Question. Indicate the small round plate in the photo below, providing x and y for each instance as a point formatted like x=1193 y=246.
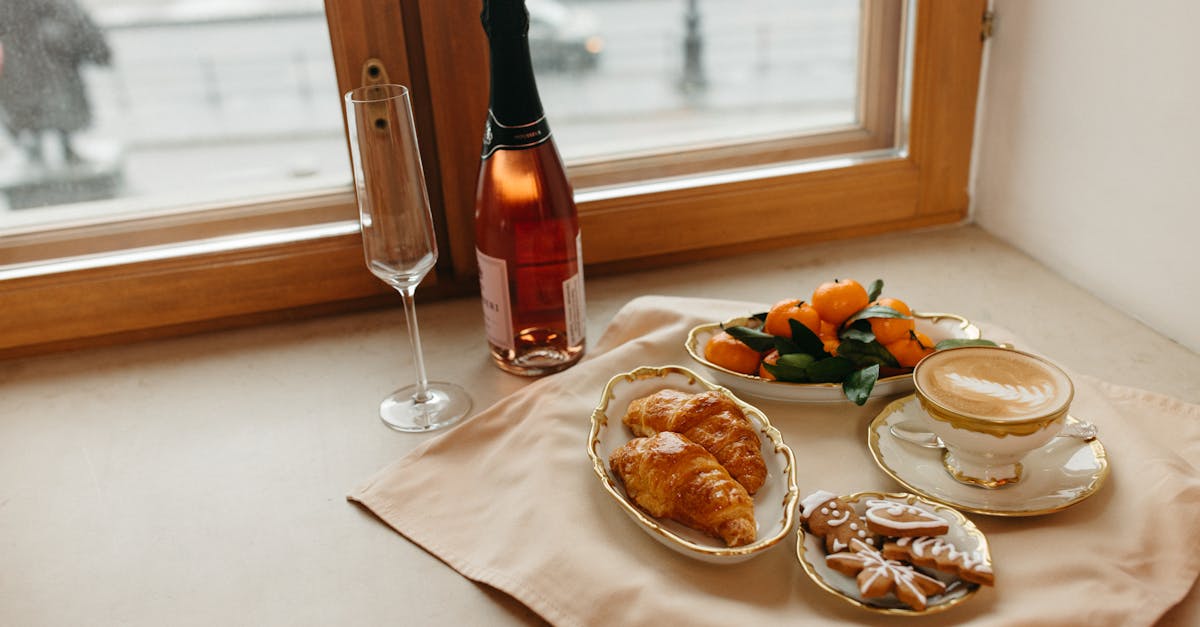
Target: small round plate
x=1057 y=476
x=774 y=503
x=938 y=326
x=963 y=534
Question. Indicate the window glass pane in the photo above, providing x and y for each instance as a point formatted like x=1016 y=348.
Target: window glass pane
x=620 y=76
x=164 y=103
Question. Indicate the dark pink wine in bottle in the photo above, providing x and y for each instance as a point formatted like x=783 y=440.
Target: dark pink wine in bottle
x=526 y=225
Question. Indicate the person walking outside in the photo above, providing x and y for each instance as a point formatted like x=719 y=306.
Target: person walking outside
x=46 y=43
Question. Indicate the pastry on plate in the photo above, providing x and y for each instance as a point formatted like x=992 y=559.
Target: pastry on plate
x=709 y=419
x=672 y=477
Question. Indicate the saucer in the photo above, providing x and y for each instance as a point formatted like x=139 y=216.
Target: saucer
x=1056 y=476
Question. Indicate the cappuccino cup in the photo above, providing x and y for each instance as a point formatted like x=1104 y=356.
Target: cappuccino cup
x=991 y=406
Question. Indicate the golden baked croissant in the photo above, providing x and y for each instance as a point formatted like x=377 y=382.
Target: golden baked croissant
x=672 y=477
x=709 y=419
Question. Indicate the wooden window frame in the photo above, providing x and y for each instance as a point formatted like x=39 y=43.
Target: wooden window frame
x=190 y=271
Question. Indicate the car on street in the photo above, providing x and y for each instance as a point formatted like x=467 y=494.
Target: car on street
x=563 y=38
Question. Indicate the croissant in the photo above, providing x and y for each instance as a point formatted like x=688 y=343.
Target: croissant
x=672 y=477
x=709 y=419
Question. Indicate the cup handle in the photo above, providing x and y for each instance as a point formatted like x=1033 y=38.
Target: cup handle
x=1081 y=429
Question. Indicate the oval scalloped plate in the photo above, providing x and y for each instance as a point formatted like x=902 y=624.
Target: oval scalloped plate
x=938 y=326
x=963 y=534
x=774 y=503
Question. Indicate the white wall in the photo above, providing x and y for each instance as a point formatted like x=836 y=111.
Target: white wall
x=1089 y=149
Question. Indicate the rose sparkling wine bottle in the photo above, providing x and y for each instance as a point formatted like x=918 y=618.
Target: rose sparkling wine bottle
x=526 y=224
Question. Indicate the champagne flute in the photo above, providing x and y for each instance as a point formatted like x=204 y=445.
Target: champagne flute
x=398 y=238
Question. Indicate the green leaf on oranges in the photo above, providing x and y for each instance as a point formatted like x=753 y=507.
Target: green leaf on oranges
x=873 y=311
x=956 y=342
x=805 y=339
x=874 y=290
x=753 y=338
x=858 y=385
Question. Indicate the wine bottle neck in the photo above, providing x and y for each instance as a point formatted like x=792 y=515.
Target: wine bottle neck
x=514 y=97
x=515 y=116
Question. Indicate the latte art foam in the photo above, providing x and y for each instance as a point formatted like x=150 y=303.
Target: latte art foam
x=994 y=384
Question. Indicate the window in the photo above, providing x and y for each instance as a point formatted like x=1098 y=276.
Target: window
x=919 y=180
x=184 y=270
x=672 y=76
x=116 y=108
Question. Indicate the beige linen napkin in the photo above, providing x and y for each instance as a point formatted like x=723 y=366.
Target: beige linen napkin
x=510 y=499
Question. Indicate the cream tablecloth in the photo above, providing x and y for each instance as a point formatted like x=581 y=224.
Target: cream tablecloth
x=509 y=499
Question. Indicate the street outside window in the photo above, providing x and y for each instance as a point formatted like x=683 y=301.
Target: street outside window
x=115 y=105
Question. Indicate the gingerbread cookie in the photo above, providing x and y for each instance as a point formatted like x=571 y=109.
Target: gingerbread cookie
x=892 y=518
x=876 y=575
x=938 y=554
x=828 y=515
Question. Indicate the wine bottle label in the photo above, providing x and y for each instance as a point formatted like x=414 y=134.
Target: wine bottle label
x=573 y=300
x=497 y=310
x=497 y=136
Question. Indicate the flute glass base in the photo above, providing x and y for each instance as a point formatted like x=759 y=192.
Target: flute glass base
x=446 y=405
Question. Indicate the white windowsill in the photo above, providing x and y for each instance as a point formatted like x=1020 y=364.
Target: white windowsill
x=111 y=459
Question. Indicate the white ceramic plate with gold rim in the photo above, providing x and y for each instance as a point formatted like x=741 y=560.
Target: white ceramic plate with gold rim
x=938 y=326
x=963 y=535
x=774 y=503
x=1055 y=477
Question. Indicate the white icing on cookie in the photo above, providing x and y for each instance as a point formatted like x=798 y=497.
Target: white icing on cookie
x=927 y=547
x=813 y=501
x=887 y=513
x=875 y=566
x=837 y=522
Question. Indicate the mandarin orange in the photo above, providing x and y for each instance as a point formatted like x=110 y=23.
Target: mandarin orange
x=731 y=353
x=839 y=299
x=784 y=310
x=909 y=350
x=771 y=358
x=888 y=330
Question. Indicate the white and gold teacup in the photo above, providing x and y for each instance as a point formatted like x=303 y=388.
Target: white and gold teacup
x=991 y=406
